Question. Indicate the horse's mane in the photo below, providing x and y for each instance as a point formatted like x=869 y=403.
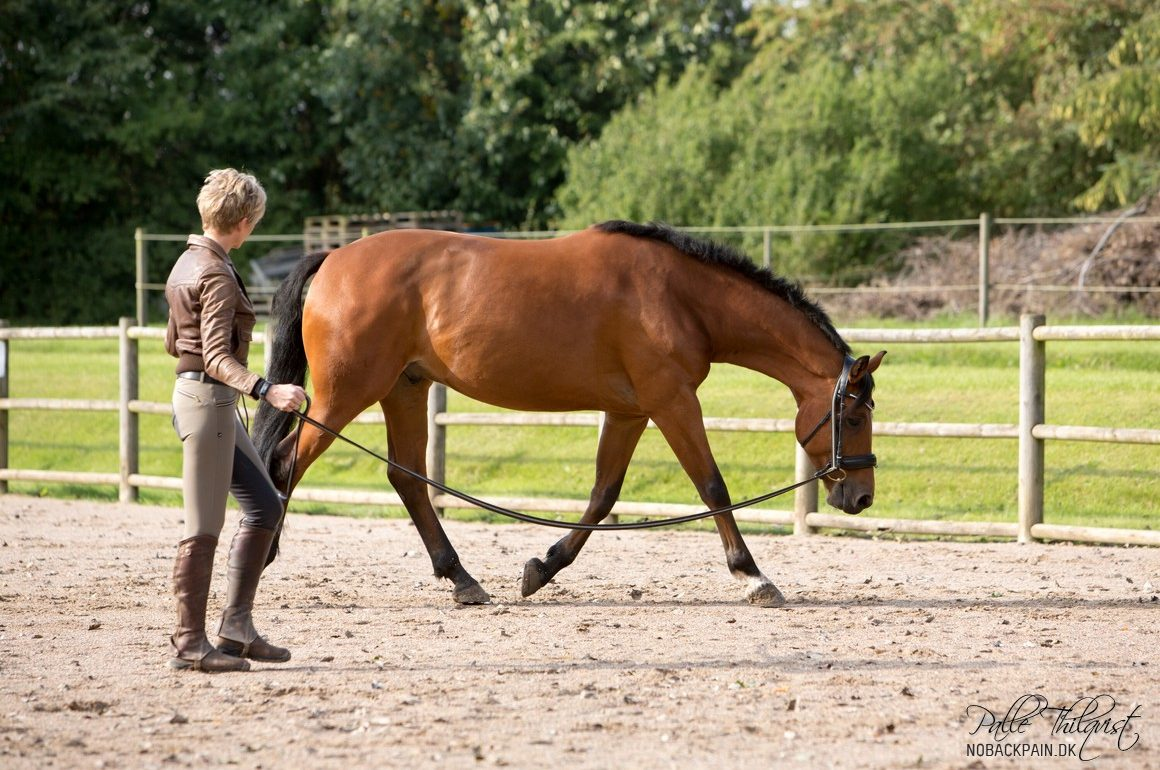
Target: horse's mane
x=712 y=253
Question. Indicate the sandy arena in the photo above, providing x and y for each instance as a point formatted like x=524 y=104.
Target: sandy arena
x=642 y=655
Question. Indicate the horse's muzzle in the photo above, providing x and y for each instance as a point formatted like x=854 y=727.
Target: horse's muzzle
x=848 y=498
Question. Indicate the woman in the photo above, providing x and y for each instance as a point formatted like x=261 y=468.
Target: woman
x=211 y=322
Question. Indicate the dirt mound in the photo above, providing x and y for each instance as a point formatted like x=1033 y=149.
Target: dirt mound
x=1069 y=270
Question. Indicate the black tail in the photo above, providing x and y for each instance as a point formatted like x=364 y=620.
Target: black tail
x=285 y=355
x=285 y=363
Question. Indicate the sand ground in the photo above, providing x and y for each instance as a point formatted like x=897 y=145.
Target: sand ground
x=643 y=654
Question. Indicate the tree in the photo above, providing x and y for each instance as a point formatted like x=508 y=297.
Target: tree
x=854 y=111
x=110 y=116
x=69 y=79
x=1117 y=113
x=390 y=78
x=666 y=158
x=543 y=75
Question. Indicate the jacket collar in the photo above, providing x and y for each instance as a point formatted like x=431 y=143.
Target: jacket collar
x=208 y=243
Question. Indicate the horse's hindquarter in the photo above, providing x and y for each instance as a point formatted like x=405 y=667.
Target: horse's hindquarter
x=561 y=324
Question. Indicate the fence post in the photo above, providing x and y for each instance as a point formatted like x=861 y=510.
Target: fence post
x=1032 y=366
x=142 y=278
x=984 y=268
x=805 y=497
x=3 y=412
x=436 y=440
x=130 y=433
x=766 y=248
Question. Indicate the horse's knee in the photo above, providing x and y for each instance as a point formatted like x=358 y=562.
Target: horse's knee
x=715 y=493
x=410 y=489
x=398 y=478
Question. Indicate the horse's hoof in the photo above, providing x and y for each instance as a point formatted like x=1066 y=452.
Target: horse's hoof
x=766 y=595
x=472 y=593
x=534 y=578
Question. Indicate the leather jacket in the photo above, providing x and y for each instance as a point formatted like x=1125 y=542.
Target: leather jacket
x=211 y=318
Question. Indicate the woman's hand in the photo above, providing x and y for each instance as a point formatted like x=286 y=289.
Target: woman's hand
x=286 y=397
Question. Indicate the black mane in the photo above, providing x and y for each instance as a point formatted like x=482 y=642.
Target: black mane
x=712 y=253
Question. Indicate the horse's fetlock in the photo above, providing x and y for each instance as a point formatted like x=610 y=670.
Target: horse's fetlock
x=446 y=565
x=559 y=556
x=741 y=564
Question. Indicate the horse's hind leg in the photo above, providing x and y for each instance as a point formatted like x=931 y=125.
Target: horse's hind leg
x=618 y=439
x=684 y=430
x=406 y=413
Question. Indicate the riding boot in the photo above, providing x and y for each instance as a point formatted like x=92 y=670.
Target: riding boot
x=191 y=577
x=236 y=633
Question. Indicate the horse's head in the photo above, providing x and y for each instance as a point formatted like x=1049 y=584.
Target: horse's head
x=835 y=429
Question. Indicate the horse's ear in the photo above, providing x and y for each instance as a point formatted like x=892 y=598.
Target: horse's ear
x=865 y=365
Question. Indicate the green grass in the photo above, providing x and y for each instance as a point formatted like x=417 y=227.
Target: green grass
x=1088 y=383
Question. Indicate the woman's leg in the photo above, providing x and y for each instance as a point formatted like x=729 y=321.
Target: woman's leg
x=262 y=509
x=203 y=415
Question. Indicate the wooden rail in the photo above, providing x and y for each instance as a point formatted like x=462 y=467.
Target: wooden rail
x=1031 y=432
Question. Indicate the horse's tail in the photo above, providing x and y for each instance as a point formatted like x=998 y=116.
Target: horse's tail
x=285 y=363
x=285 y=355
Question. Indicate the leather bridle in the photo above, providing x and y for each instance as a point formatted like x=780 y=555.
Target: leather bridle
x=839 y=464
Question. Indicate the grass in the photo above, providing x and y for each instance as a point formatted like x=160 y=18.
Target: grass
x=1088 y=383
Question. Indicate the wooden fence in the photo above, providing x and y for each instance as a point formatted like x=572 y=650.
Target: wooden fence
x=1032 y=335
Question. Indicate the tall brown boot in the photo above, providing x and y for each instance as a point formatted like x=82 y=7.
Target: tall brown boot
x=236 y=633
x=192 y=572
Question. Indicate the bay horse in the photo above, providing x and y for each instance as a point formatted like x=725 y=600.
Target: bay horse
x=624 y=318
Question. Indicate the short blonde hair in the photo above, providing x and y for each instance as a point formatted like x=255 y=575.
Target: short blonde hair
x=229 y=196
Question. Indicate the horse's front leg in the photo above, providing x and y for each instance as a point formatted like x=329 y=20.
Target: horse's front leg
x=618 y=439
x=406 y=412
x=684 y=430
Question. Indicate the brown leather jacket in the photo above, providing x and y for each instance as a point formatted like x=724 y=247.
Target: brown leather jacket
x=211 y=320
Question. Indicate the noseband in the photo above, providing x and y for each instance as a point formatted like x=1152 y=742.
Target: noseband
x=838 y=465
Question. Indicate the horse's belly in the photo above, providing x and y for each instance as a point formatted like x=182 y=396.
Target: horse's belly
x=536 y=383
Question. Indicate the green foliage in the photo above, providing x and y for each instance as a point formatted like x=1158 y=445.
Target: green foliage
x=112 y=113
x=659 y=160
x=111 y=116
x=857 y=112
x=1118 y=112
x=390 y=77
x=545 y=74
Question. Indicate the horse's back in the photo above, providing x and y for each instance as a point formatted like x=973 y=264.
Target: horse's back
x=561 y=323
x=437 y=257
x=434 y=272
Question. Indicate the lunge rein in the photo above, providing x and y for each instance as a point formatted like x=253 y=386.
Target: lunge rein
x=838 y=464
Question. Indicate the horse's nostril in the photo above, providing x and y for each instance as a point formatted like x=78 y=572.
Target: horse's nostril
x=865 y=501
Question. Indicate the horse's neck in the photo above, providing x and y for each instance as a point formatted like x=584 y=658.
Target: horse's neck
x=765 y=333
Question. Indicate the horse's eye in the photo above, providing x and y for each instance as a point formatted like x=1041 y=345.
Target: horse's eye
x=855 y=422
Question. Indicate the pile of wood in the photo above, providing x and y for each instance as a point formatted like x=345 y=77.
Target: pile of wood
x=1106 y=268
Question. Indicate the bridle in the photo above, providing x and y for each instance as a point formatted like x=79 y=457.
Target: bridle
x=839 y=464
